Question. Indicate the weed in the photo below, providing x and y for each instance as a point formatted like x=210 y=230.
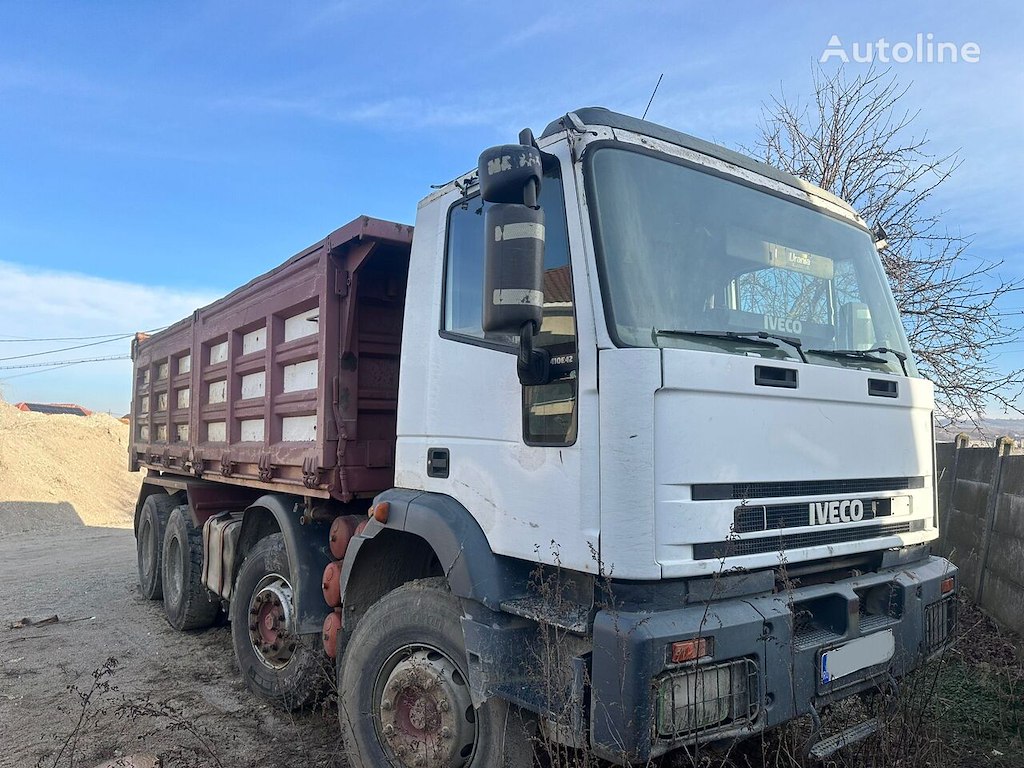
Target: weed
x=105 y=722
x=85 y=712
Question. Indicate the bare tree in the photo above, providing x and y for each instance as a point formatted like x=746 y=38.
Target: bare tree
x=853 y=138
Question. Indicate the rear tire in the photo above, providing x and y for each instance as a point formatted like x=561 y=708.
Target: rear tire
x=403 y=691
x=149 y=543
x=279 y=665
x=188 y=604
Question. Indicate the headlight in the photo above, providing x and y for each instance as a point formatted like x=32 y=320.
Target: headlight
x=703 y=697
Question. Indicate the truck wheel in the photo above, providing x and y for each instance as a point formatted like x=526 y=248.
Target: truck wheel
x=403 y=694
x=187 y=602
x=149 y=543
x=278 y=664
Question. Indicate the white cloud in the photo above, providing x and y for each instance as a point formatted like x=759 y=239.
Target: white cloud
x=38 y=303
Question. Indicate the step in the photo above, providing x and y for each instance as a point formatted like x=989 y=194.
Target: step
x=845 y=737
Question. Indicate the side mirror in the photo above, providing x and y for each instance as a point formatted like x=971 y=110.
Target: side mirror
x=881 y=239
x=513 y=268
x=510 y=173
x=513 y=296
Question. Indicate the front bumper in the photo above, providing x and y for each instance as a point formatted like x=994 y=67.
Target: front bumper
x=766 y=662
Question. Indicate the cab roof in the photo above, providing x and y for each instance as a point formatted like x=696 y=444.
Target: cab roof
x=605 y=117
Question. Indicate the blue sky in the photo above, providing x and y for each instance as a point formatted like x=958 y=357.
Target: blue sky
x=155 y=155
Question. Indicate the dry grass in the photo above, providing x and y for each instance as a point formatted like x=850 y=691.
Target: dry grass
x=964 y=709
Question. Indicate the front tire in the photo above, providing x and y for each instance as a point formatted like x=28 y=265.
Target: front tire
x=149 y=543
x=188 y=604
x=277 y=663
x=403 y=692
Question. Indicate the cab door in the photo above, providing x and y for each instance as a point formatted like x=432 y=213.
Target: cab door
x=510 y=454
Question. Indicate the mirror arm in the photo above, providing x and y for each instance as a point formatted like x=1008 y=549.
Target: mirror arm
x=533 y=365
x=530 y=192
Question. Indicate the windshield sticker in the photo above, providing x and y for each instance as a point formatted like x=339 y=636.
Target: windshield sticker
x=786 y=324
x=797 y=261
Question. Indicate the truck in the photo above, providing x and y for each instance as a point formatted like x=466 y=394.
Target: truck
x=622 y=449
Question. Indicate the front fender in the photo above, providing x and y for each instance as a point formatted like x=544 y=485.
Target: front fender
x=472 y=569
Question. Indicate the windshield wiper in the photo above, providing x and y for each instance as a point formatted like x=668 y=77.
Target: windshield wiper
x=864 y=354
x=753 y=338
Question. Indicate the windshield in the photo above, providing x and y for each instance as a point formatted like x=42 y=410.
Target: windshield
x=692 y=259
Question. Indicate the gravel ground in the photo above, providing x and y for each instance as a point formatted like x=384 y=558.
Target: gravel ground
x=177 y=695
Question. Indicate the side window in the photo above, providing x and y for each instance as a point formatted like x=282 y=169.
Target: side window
x=548 y=410
x=464 y=270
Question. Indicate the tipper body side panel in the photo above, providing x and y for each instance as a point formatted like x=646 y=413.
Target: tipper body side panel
x=289 y=383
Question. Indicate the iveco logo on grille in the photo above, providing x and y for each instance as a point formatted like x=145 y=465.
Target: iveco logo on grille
x=845 y=511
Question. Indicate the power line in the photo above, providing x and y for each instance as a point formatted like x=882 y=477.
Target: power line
x=63 y=363
x=68 y=349
x=9 y=339
x=62 y=349
x=28 y=340
x=651 y=100
x=33 y=373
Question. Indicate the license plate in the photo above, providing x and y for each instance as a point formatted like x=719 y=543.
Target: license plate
x=856 y=655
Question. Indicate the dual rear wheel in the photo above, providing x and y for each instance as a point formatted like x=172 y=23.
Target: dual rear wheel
x=156 y=510
x=188 y=604
x=278 y=664
x=170 y=558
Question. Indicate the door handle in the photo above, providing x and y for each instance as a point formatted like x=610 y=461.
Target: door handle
x=437 y=462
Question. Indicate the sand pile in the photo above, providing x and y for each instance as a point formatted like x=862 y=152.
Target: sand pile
x=64 y=471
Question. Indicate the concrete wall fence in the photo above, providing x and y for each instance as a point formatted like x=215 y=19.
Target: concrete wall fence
x=981 y=521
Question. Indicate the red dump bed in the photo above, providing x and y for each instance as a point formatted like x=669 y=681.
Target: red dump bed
x=290 y=382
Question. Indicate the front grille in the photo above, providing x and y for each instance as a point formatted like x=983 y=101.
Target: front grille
x=833 y=534
x=872 y=624
x=768 y=490
x=939 y=624
x=760 y=517
x=810 y=636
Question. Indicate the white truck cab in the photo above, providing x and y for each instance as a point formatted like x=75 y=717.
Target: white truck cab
x=725 y=326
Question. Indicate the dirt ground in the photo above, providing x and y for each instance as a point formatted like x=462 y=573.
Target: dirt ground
x=111 y=678
x=176 y=695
